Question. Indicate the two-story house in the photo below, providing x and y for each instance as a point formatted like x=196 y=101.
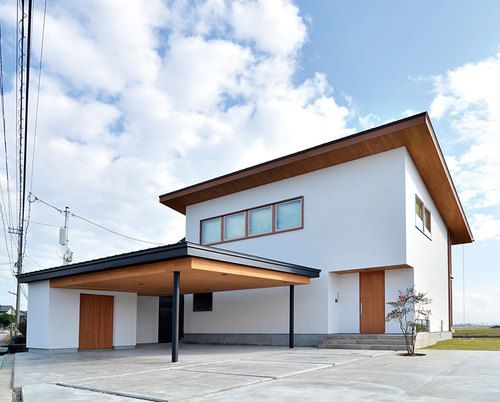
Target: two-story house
x=375 y=212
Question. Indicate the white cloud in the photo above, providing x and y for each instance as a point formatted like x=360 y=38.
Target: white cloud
x=138 y=99
x=469 y=100
x=480 y=306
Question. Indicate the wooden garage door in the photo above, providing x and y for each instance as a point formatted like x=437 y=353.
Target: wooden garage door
x=96 y=322
x=372 y=302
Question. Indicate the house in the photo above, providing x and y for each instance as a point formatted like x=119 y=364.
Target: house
x=285 y=252
x=7 y=309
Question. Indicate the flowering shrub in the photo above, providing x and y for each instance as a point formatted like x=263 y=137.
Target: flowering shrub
x=409 y=307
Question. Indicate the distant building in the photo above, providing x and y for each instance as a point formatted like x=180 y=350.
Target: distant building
x=7 y=310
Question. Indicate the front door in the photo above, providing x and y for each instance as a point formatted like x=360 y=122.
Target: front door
x=372 y=302
x=96 y=322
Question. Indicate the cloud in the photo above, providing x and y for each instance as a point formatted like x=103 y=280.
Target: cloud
x=143 y=98
x=467 y=98
x=480 y=306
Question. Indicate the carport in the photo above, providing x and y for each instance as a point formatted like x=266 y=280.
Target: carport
x=181 y=268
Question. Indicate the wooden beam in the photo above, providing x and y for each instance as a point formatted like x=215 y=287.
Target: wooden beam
x=242 y=270
x=372 y=269
x=121 y=273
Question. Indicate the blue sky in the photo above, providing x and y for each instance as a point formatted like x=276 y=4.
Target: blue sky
x=132 y=93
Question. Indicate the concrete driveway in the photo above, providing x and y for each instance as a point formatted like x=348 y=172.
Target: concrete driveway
x=228 y=373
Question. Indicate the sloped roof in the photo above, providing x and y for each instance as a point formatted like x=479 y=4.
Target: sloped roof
x=414 y=132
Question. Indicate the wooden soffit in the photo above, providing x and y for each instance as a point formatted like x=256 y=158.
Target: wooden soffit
x=415 y=133
x=198 y=275
x=372 y=269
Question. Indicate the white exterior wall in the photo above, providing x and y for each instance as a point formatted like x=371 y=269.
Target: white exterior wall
x=395 y=279
x=54 y=317
x=428 y=257
x=353 y=218
x=147 y=319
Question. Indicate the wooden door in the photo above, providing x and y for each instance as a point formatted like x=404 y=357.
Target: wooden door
x=372 y=302
x=96 y=322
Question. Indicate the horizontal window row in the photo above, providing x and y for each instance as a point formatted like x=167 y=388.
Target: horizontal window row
x=267 y=219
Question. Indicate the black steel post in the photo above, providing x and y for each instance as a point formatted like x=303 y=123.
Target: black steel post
x=291 y=341
x=175 y=316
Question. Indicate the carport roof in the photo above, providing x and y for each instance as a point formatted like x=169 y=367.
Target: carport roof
x=182 y=251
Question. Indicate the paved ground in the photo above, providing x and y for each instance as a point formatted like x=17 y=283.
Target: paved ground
x=228 y=373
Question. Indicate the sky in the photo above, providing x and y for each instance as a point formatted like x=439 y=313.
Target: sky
x=140 y=98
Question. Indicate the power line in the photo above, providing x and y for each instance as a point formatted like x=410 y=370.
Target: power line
x=116 y=233
x=4 y=129
x=36 y=121
x=34 y=198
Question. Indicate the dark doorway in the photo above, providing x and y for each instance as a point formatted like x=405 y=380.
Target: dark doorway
x=165 y=319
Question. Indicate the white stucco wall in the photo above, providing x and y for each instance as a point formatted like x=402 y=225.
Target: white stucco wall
x=395 y=279
x=353 y=218
x=147 y=319
x=38 y=315
x=429 y=257
x=53 y=317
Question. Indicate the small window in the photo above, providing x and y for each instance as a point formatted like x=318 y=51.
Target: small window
x=260 y=220
x=422 y=217
x=427 y=222
x=202 y=301
x=289 y=214
x=211 y=231
x=234 y=226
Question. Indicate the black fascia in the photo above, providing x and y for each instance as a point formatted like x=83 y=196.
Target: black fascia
x=167 y=253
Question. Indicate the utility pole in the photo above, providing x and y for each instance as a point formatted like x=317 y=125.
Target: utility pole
x=23 y=146
x=63 y=238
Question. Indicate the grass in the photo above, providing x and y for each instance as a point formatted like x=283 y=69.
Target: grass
x=476 y=331
x=468 y=344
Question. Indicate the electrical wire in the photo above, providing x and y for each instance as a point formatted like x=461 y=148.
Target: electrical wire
x=34 y=198
x=36 y=123
x=4 y=129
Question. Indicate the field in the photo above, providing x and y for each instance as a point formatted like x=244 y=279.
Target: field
x=468 y=344
x=476 y=331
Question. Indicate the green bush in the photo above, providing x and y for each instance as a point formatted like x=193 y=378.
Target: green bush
x=6 y=320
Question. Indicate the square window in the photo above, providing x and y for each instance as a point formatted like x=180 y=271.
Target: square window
x=260 y=221
x=234 y=226
x=202 y=302
x=211 y=231
x=289 y=214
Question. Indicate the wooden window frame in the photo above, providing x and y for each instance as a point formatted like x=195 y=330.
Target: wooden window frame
x=425 y=209
x=247 y=221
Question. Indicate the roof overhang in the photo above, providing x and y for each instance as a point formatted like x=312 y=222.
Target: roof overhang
x=149 y=272
x=415 y=133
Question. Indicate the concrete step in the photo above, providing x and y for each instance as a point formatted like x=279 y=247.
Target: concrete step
x=364 y=341
x=364 y=346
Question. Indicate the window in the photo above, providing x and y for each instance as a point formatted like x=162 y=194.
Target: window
x=211 y=231
x=260 y=220
x=202 y=301
x=427 y=222
x=422 y=217
x=253 y=222
x=289 y=214
x=234 y=226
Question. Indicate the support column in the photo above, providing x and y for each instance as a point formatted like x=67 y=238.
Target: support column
x=175 y=316
x=291 y=341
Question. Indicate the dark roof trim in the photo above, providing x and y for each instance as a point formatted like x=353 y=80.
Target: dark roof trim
x=167 y=253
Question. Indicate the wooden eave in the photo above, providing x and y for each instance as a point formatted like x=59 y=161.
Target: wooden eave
x=415 y=133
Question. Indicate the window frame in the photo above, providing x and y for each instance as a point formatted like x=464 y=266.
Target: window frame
x=246 y=211
x=198 y=309
x=425 y=209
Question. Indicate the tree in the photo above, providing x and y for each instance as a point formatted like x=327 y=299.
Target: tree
x=409 y=307
x=6 y=320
